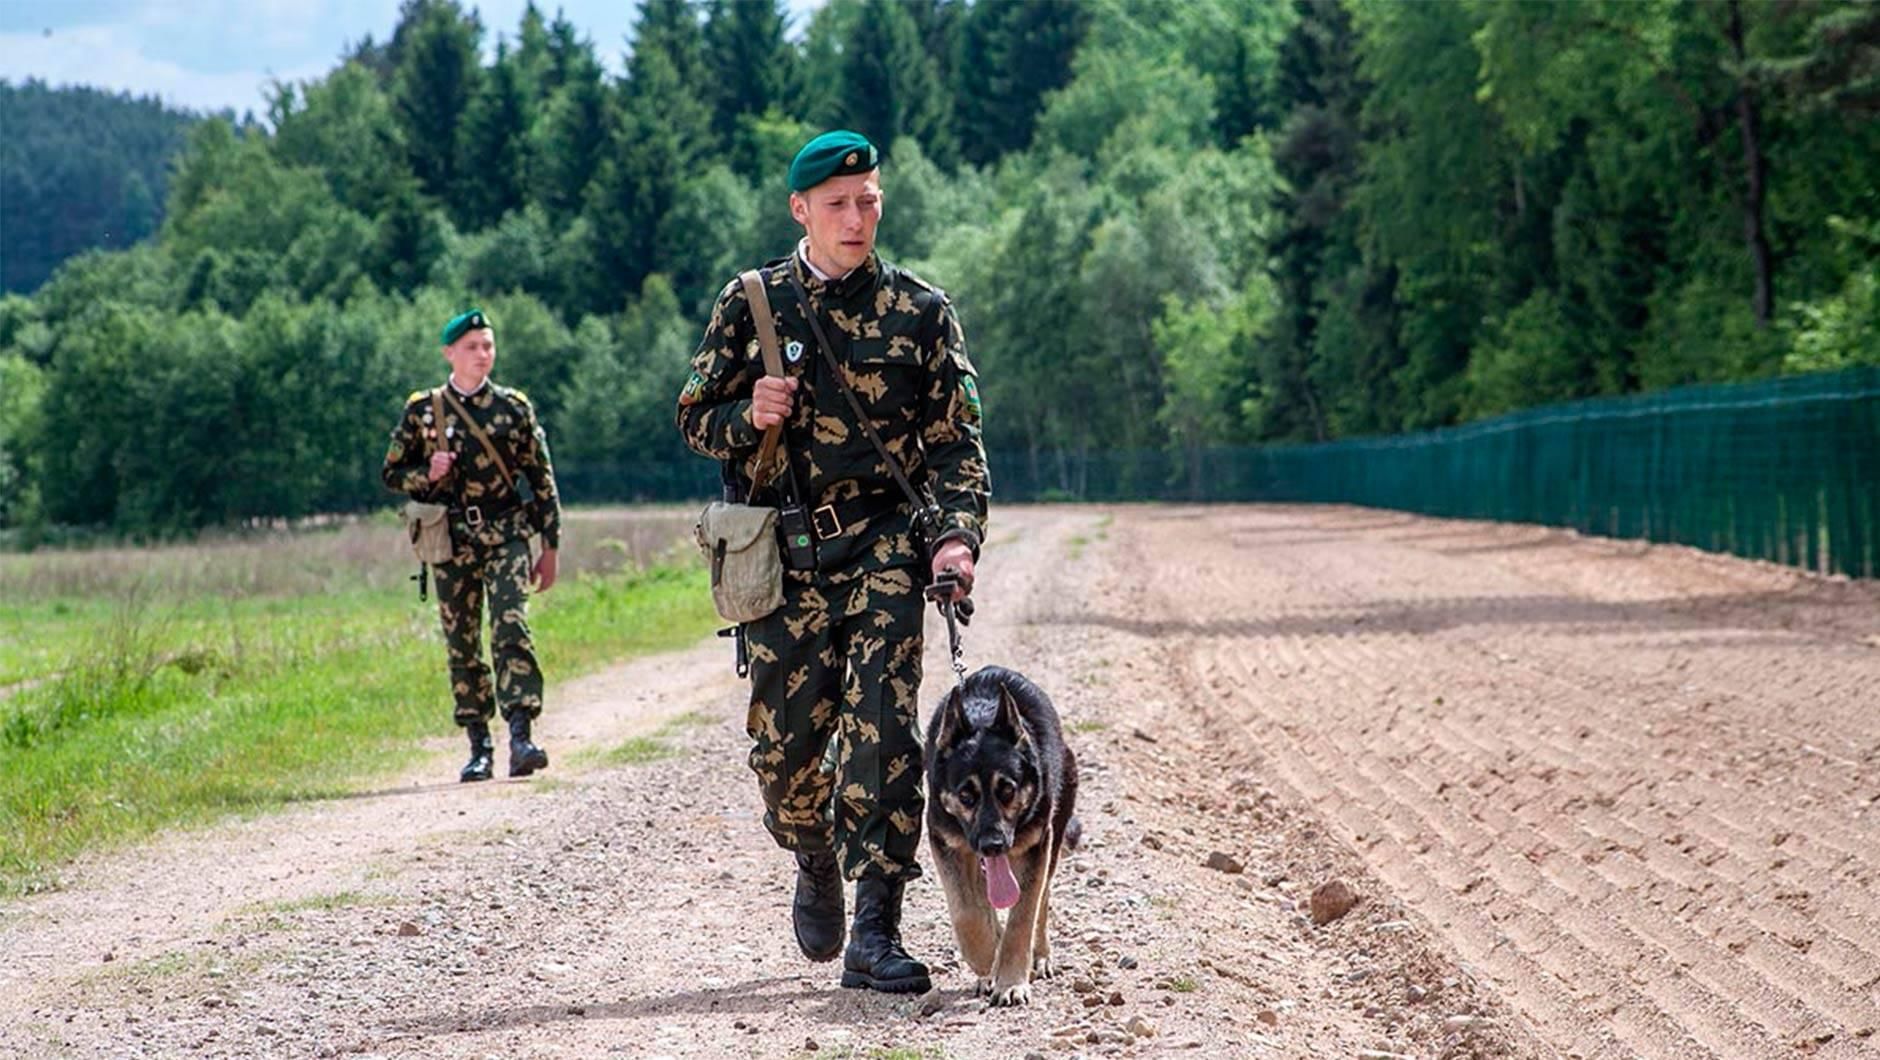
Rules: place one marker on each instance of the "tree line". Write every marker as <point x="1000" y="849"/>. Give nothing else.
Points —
<point x="1167" y="225"/>
<point x="79" y="168"/>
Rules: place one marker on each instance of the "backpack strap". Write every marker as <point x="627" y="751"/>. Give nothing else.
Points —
<point x="766" y="325"/>
<point x="437" y="420"/>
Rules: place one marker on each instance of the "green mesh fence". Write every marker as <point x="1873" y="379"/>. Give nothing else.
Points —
<point x="1785" y="470"/>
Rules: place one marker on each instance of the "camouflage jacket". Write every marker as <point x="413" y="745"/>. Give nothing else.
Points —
<point x="904" y="354"/>
<point x="474" y="481"/>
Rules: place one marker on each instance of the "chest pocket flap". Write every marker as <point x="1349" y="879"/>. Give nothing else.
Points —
<point x="894" y="349"/>
<point x="885" y="372"/>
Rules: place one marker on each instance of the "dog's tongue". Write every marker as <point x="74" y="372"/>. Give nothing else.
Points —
<point x="1001" y="885"/>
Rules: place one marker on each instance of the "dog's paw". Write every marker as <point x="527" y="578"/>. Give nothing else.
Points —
<point x="1044" y="968"/>
<point x="1007" y="996"/>
<point x="982" y="986"/>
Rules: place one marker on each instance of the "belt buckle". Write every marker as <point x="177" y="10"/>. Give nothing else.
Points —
<point x="834" y="528"/>
<point x="473" y="515"/>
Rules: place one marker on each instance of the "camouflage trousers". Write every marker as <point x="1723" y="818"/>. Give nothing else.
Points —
<point x="495" y="572"/>
<point x="841" y="663"/>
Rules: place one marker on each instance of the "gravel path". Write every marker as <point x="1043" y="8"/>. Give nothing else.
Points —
<point x="1594" y="798"/>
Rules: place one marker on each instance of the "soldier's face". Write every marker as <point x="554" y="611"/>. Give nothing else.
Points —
<point x="839" y="217"/>
<point x="471" y="357"/>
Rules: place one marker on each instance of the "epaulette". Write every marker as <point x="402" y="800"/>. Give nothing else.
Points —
<point x="417" y="396"/>
<point x="916" y="280"/>
<point x="514" y="394"/>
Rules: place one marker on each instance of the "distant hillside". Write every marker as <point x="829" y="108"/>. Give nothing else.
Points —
<point x="79" y="168"/>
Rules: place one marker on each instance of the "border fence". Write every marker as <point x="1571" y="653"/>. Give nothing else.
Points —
<point x="1785" y="469"/>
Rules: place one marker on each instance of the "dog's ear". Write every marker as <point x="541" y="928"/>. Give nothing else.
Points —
<point x="1009" y="720"/>
<point x="952" y="718"/>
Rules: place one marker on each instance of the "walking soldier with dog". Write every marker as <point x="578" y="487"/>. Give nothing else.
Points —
<point x="478" y="449"/>
<point x="880" y="487"/>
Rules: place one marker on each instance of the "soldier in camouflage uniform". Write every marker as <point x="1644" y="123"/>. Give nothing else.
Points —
<point x="492" y="518"/>
<point x="841" y="659"/>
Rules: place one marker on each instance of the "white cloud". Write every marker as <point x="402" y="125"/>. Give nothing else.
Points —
<point x="216" y="54"/>
<point x="111" y="57"/>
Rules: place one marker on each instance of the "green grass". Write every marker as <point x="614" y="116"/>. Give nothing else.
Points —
<point x="322" y="903"/>
<point x="639" y="750"/>
<point x="1183" y="984"/>
<point x="163" y="708"/>
<point x="899" y="1052"/>
<point x="1076" y="543"/>
<point x="1087" y="725"/>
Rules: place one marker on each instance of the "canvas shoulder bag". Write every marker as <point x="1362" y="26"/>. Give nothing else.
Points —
<point x="427" y="526"/>
<point x="739" y="541"/>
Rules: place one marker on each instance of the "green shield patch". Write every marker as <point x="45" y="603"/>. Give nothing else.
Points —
<point x="693" y="388"/>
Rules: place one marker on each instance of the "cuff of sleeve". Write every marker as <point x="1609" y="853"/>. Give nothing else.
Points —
<point x="957" y="533"/>
<point x="740" y="432"/>
<point x="417" y="483"/>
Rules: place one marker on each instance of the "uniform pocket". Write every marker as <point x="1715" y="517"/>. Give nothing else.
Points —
<point x="887" y="374"/>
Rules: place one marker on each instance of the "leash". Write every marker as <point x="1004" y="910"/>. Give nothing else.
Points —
<point x="957" y="615"/>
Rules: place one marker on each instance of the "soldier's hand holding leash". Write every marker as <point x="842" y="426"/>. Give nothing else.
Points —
<point x="953" y="566"/>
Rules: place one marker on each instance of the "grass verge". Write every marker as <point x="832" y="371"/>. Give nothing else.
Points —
<point x="161" y="715"/>
<point x="639" y="750"/>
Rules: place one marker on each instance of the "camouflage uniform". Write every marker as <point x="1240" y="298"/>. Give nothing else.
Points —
<point x="490" y="529"/>
<point x="841" y="657"/>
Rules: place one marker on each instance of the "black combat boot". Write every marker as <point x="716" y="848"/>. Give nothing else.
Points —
<point x="482" y="751"/>
<point x="816" y="913"/>
<point x="524" y="757"/>
<point x="875" y="959"/>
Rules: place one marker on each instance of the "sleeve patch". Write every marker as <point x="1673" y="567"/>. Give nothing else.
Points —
<point x="969" y="388"/>
<point x="694" y="386"/>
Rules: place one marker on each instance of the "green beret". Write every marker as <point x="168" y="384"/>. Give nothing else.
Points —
<point x="833" y="154"/>
<point x="462" y="322"/>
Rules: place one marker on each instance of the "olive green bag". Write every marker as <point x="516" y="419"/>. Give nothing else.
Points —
<point x="740" y="540"/>
<point x="428" y="525"/>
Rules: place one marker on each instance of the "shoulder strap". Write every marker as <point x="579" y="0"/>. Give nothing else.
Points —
<point x="437" y="419"/>
<point x="855" y="405"/>
<point x="759" y="301"/>
<point x="477" y="429"/>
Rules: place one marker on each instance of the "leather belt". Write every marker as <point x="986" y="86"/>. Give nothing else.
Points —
<point x="830" y="520"/>
<point x="475" y="515"/>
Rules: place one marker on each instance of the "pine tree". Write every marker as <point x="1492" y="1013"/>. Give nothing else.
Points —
<point x="437" y="75"/>
<point x="568" y="52"/>
<point x="1010" y="54"/>
<point x="939" y="23"/>
<point x="662" y="131"/>
<point x="1317" y="152"/>
<point x="671" y="28"/>
<point x="570" y="136"/>
<point x="493" y="151"/>
<point x="751" y="67"/>
<point x="410" y="241"/>
<point x="535" y="56"/>
<point x="890" y="86"/>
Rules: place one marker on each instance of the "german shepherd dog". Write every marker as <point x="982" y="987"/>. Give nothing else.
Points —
<point x="1001" y="788"/>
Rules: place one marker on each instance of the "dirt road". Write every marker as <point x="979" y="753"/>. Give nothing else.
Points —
<point x="1598" y="799"/>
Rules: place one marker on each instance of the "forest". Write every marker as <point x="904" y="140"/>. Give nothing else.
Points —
<point x="1168" y="225"/>
<point x="79" y="169"/>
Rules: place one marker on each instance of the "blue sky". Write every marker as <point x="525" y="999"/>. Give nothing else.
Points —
<point x="212" y="54"/>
